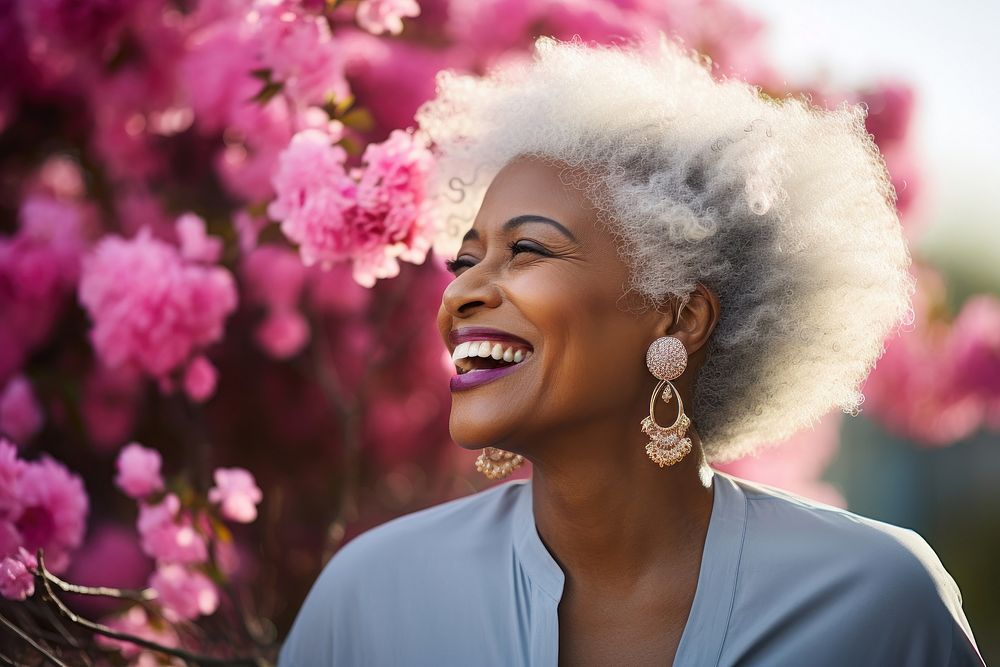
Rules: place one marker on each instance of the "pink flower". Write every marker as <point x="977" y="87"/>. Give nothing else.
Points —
<point x="200" y="379"/>
<point x="136" y="622"/>
<point x="372" y="221"/>
<point x="110" y="556"/>
<point x="17" y="580"/>
<point x="407" y="68"/>
<point x="39" y="267"/>
<point x="393" y="219"/>
<point x="314" y="197"/>
<point x="184" y="593"/>
<point x="152" y="310"/>
<point x="11" y="468"/>
<point x="300" y="51"/>
<point x="936" y="383"/>
<point x="196" y="245"/>
<point x="974" y="348"/>
<point x="168" y="534"/>
<point x="237" y="494"/>
<point x="60" y="177"/>
<point x="890" y="111"/>
<point x="283" y="333"/>
<point x="273" y="276"/>
<point x="216" y="72"/>
<point x="20" y="414"/>
<point x="54" y="511"/>
<point x="139" y="471"/>
<point x="10" y="539"/>
<point x="334" y="291"/>
<point x="378" y="16"/>
<point x="70" y="23"/>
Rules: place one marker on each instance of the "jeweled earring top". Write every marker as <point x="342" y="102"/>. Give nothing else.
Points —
<point x="666" y="358"/>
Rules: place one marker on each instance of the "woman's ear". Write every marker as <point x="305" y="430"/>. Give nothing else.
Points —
<point x="693" y="320"/>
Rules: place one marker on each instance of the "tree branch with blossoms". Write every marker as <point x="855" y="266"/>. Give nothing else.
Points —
<point x="46" y="580"/>
<point x="178" y="534"/>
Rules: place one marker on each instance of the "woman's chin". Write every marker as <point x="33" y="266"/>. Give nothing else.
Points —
<point x="476" y="435"/>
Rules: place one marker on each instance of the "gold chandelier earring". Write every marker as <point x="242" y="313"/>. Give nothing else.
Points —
<point x="666" y="359"/>
<point x="497" y="463"/>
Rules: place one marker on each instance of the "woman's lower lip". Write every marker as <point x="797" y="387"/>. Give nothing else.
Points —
<point x="476" y="378"/>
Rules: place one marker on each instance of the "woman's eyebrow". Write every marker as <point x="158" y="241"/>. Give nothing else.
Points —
<point x="517" y="221"/>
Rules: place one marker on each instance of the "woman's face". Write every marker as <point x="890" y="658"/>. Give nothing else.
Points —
<point x="536" y="266"/>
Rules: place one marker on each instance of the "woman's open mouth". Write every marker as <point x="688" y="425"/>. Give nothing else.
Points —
<point x="479" y="362"/>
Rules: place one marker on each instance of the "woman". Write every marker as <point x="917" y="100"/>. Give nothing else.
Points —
<point x="664" y="271"/>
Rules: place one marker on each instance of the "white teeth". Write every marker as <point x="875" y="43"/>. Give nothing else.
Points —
<point x="485" y="349"/>
<point x="460" y="351"/>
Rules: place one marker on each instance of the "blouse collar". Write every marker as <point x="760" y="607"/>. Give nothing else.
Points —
<point x="705" y="631"/>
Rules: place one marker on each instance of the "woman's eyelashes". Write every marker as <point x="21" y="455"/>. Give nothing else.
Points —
<point x="515" y="247"/>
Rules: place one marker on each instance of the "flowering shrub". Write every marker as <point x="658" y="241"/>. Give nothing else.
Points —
<point x="204" y="202"/>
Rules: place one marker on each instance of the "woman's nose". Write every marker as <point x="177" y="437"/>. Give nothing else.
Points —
<point x="473" y="290"/>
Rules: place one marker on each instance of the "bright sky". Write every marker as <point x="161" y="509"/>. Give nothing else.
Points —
<point x="950" y="51"/>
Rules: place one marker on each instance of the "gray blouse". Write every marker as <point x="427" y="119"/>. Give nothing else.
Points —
<point x="784" y="581"/>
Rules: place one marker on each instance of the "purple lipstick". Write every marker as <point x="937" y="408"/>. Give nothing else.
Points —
<point x="474" y="378"/>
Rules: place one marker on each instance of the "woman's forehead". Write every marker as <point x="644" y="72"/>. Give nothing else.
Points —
<point x="529" y="185"/>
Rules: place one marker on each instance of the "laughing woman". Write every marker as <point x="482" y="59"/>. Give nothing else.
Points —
<point x="662" y="271"/>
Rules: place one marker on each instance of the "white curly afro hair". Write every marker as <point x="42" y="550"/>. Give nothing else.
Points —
<point x="783" y="210"/>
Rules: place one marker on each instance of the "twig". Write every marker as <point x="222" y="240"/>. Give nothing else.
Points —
<point x="43" y="575"/>
<point x="31" y="642"/>
<point x="144" y="595"/>
<point x="66" y="637"/>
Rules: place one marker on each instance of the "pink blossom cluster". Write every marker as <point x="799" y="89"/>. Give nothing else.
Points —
<point x="171" y="535"/>
<point x="178" y="537"/>
<point x="236" y="494"/>
<point x="154" y="308"/>
<point x="39" y="267"/>
<point x="939" y="381"/>
<point x="136" y="622"/>
<point x="281" y="46"/>
<point x="300" y="49"/>
<point x="42" y="506"/>
<point x="20" y="414"/>
<point x="379" y="16"/>
<point x="273" y="276"/>
<point x="890" y="120"/>
<point x="371" y="215"/>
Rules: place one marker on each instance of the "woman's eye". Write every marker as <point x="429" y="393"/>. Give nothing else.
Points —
<point x="453" y="265"/>
<point x="516" y="248"/>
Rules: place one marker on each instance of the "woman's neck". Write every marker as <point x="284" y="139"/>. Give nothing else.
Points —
<point x="612" y="516"/>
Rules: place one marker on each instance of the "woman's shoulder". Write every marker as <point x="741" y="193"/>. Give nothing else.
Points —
<point x="870" y="571"/>
<point x="466" y="529"/>
<point x="427" y="560"/>
<point x="790" y="527"/>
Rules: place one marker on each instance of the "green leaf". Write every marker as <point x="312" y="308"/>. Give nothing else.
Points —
<point x="359" y="119"/>
<point x="269" y="90"/>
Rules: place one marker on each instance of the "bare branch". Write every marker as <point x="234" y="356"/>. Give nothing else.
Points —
<point x="31" y="642"/>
